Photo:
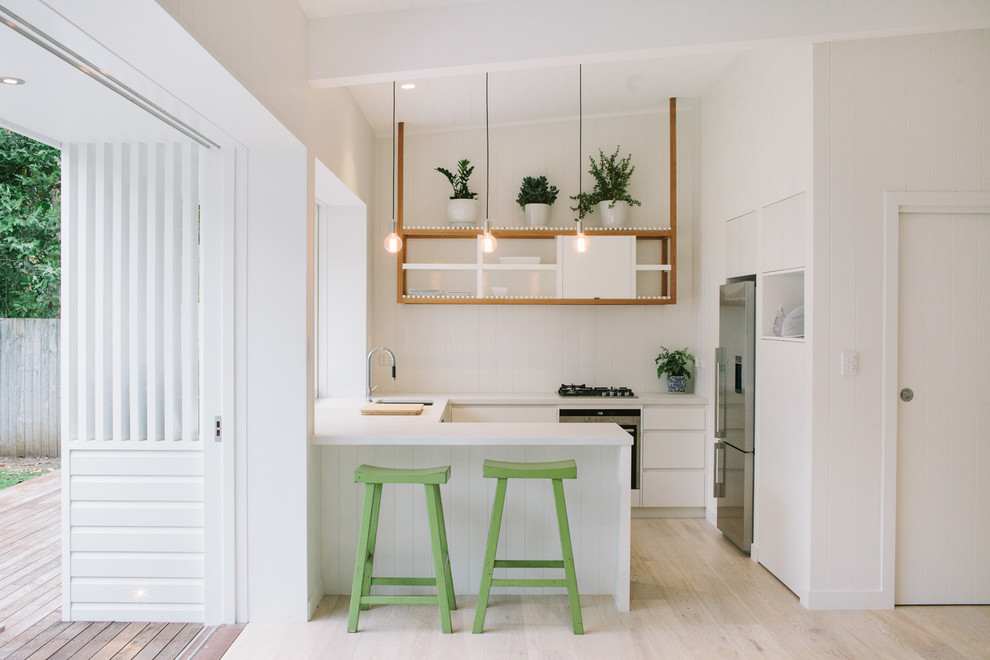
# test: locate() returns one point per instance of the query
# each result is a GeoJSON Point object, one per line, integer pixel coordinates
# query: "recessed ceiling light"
{"type": "Point", "coordinates": [11, 81]}
{"type": "Point", "coordinates": [408, 86]}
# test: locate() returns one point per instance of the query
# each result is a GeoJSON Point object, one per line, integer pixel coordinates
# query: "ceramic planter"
{"type": "Point", "coordinates": [462, 211]}
{"type": "Point", "coordinates": [616, 216]}
{"type": "Point", "coordinates": [677, 383]}
{"type": "Point", "coordinates": [537, 215]}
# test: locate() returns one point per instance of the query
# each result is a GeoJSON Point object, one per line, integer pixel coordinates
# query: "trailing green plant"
{"type": "Point", "coordinates": [30, 248]}
{"type": "Point", "coordinates": [536, 190]}
{"type": "Point", "coordinates": [612, 175]}
{"type": "Point", "coordinates": [459, 181]}
{"type": "Point", "coordinates": [674, 363]}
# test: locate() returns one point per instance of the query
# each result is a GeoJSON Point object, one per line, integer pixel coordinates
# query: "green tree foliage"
{"type": "Point", "coordinates": [29, 227]}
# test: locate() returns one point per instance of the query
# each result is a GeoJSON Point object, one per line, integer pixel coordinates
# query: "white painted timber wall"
{"type": "Point", "coordinates": [757, 152]}
{"type": "Point", "coordinates": [132, 528]}
{"type": "Point", "coordinates": [536, 348]}
{"type": "Point", "coordinates": [896, 114]}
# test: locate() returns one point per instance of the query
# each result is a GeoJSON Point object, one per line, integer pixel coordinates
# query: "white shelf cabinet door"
{"type": "Point", "coordinates": [604, 271]}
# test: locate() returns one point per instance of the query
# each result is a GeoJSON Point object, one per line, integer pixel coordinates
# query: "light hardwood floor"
{"type": "Point", "coordinates": [693, 595]}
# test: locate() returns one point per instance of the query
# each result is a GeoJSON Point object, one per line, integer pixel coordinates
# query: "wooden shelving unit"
{"type": "Point", "coordinates": [459, 278]}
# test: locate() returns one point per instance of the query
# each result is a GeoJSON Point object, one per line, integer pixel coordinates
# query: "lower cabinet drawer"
{"type": "Point", "coordinates": [673, 488]}
{"type": "Point", "coordinates": [673, 449]}
{"type": "Point", "coordinates": [674, 417]}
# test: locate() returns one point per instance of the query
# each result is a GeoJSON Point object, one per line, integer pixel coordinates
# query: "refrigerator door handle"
{"type": "Point", "coordinates": [719, 395]}
{"type": "Point", "coordinates": [718, 491]}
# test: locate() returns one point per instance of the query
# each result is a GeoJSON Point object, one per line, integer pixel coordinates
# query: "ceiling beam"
{"type": "Point", "coordinates": [510, 34]}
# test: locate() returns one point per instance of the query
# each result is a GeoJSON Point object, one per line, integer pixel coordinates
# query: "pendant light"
{"type": "Point", "coordinates": [488, 241]}
{"type": "Point", "coordinates": [580, 240]}
{"type": "Point", "coordinates": [393, 242]}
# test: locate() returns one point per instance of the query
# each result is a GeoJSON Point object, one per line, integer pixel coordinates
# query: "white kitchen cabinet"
{"type": "Point", "coordinates": [673, 457]}
{"type": "Point", "coordinates": [782, 234]}
{"type": "Point", "coordinates": [496, 413]}
{"type": "Point", "coordinates": [604, 271]}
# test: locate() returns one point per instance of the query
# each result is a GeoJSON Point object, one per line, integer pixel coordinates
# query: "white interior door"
{"type": "Point", "coordinates": [943, 437]}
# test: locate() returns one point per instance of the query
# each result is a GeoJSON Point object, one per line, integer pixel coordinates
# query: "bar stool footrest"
{"type": "Point", "coordinates": [399, 600]}
{"type": "Point", "coordinates": [529, 563]}
{"type": "Point", "coordinates": [528, 582]}
{"type": "Point", "coordinates": [404, 581]}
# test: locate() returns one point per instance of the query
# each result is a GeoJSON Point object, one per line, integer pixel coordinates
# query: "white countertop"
{"type": "Point", "coordinates": [340, 422]}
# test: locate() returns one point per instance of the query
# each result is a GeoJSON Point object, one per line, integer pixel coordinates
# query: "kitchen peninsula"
{"type": "Point", "coordinates": [598, 500]}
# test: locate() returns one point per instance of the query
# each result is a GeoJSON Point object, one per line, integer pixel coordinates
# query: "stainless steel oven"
{"type": "Point", "coordinates": [627, 418]}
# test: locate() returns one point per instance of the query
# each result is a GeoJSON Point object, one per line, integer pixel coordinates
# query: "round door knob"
{"type": "Point", "coordinates": [907, 394]}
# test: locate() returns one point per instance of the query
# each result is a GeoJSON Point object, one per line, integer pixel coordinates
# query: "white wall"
{"type": "Point", "coordinates": [896, 114]}
{"type": "Point", "coordinates": [536, 348]}
{"type": "Point", "coordinates": [756, 135]}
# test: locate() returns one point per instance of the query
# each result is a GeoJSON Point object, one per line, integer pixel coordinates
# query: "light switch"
{"type": "Point", "coordinates": [849, 363]}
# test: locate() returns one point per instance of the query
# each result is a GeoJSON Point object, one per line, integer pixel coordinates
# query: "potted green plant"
{"type": "Point", "coordinates": [675, 365]}
{"type": "Point", "coordinates": [536, 196]}
{"type": "Point", "coordinates": [611, 191]}
{"type": "Point", "coordinates": [462, 209]}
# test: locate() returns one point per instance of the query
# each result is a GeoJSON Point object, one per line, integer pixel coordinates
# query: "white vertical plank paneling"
{"type": "Point", "coordinates": [69, 348]}
{"type": "Point", "coordinates": [969, 110]}
{"type": "Point", "coordinates": [920, 112]}
{"type": "Point", "coordinates": [119, 290]}
{"type": "Point", "coordinates": [85, 290]}
{"type": "Point", "coordinates": [103, 292]}
{"type": "Point", "coordinates": [868, 299]}
{"type": "Point", "coordinates": [137, 305]}
{"type": "Point", "coordinates": [172, 284]}
{"type": "Point", "coordinates": [189, 293]}
{"type": "Point", "coordinates": [895, 109]}
{"type": "Point", "coordinates": [945, 103]}
{"type": "Point", "coordinates": [156, 293]}
{"type": "Point", "coordinates": [842, 394]}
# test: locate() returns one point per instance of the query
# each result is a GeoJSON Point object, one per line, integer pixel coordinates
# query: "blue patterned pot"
{"type": "Point", "coordinates": [676, 383]}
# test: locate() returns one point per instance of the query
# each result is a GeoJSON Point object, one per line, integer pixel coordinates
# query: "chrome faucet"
{"type": "Point", "coordinates": [373, 351]}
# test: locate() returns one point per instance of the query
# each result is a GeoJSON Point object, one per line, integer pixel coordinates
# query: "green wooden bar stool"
{"type": "Point", "coordinates": [503, 471]}
{"type": "Point", "coordinates": [361, 596]}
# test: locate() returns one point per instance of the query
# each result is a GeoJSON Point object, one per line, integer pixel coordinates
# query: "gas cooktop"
{"type": "Point", "coordinates": [584, 390]}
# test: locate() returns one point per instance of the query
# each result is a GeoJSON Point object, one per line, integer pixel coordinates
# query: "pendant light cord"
{"type": "Point", "coordinates": [580, 129]}
{"type": "Point", "coordinates": [393, 150]}
{"type": "Point", "coordinates": [488, 153]}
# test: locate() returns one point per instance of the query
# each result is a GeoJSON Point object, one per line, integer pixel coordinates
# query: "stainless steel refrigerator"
{"type": "Point", "coordinates": [735, 378]}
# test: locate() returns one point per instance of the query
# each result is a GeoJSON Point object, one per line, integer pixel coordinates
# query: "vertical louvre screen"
{"type": "Point", "coordinates": [130, 292]}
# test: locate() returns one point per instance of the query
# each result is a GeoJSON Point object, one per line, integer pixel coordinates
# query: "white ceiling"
{"type": "Point", "coordinates": [328, 8]}
{"type": "Point", "coordinates": [59, 103]}
{"type": "Point", "coordinates": [540, 94]}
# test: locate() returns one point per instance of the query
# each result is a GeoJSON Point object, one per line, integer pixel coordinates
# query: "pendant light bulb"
{"type": "Point", "coordinates": [580, 240]}
{"type": "Point", "coordinates": [393, 242]}
{"type": "Point", "coordinates": [488, 241]}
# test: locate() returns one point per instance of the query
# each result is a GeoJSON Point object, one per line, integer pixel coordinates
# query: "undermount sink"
{"type": "Point", "coordinates": [404, 401]}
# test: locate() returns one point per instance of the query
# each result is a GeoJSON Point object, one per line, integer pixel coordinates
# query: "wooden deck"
{"type": "Point", "coordinates": [31, 593]}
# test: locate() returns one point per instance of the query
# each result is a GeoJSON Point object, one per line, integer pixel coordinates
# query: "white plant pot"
{"type": "Point", "coordinates": [537, 215]}
{"type": "Point", "coordinates": [617, 216]}
{"type": "Point", "coordinates": [462, 211]}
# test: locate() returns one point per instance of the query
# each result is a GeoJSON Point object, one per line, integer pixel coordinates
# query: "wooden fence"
{"type": "Point", "coordinates": [29, 387]}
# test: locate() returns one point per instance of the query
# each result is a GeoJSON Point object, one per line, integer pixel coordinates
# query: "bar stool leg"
{"type": "Point", "coordinates": [568, 556]}
{"type": "Point", "coordinates": [448, 574]}
{"type": "Point", "coordinates": [439, 571]}
{"type": "Point", "coordinates": [361, 562]}
{"type": "Point", "coordinates": [489, 567]}
{"type": "Point", "coordinates": [372, 540]}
